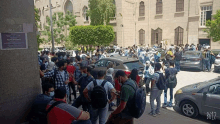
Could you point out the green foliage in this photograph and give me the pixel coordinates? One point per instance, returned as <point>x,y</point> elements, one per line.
<point>60,23</point>
<point>37,20</point>
<point>214,27</point>
<point>100,11</point>
<point>95,35</point>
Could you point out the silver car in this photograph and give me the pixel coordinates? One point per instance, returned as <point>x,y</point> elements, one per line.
<point>202,98</point>
<point>191,59</point>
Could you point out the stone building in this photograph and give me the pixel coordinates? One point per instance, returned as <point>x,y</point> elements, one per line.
<point>148,21</point>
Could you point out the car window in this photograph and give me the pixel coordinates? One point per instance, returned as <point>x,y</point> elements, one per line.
<point>100,63</point>
<point>132,65</point>
<point>117,50</point>
<point>214,89</point>
<point>115,63</point>
<point>191,54</point>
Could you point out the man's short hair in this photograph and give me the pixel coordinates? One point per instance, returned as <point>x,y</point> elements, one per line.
<point>89,69</point>
<point>60,92</point>
<point>61,63</point>
<point>46,87</point>
<point>101,73</point>
<point>158,66</point>
<point>171,63</point>
<point>54,59</point>
<point>78,58</point>
<point>120,73</point>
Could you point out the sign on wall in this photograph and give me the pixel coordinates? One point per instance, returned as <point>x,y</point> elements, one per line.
<point>13,41</point>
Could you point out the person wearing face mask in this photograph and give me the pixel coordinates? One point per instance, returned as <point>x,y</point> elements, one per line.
<point>82,82</point>
<point>38,108</point>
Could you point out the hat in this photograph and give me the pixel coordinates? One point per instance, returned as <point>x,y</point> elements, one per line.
<point>109,72</point>
<point>50,66</point>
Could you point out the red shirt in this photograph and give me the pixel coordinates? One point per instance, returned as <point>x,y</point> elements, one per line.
<point>63,113</point>
<point>70,69</point>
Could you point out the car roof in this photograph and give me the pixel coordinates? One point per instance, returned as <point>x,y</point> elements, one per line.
<point>122,59</point>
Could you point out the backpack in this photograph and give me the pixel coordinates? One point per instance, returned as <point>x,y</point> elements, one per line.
<point>99,96</point>
<point>172,80</point>
<point>85,80</point>
<point>161,83</point>
<point>137,108</point>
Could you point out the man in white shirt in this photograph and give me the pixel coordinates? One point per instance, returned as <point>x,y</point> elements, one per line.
<point>100,112</point>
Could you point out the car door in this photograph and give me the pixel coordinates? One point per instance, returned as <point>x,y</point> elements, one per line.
<point>211,101</point>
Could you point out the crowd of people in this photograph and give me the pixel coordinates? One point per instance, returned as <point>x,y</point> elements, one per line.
<point>63,76</point>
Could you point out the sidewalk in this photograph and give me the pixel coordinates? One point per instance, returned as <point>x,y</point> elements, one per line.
<point>166,117</point>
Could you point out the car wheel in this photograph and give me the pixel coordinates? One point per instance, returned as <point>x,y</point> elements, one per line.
<point>189,109</point>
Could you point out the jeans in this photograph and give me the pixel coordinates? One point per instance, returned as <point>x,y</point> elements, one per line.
<point>73,88</point>
<point>177,65</point>
<point>155,94</point>
<point>82,122</point>
<point>101,113</point>
<point>171,96</point>
<point>206,64</point>
<point>81,100</point>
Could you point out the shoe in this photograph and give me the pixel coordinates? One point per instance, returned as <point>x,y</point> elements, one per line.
<point>158,113</point>
<point>152,114</point>
<point>164,106</point>
<point>170,105</point>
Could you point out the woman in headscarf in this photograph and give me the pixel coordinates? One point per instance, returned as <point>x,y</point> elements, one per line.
<point>134,76</point>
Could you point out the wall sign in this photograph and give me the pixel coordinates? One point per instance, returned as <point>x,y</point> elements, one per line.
<point>13,41</point>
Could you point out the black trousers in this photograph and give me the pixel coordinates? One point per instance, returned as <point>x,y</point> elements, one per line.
<point>71,85</point>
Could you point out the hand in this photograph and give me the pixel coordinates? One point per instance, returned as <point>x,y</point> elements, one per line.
<point>79,86</point>
<point>66,82</point>
<point>109,101</point>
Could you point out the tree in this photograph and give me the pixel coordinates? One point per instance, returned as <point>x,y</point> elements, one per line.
<point>95,35</point>
<point>61,24</point>
<point>100,11</point>
<point>214,27</point>
<point>37,20</point>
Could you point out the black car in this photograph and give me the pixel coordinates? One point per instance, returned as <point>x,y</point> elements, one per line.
<point>120,63</point>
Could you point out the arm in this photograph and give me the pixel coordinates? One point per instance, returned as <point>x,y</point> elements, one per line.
<point>86,95</point>
<point>41,74</point>
<point>113,91</point>
<point>84,116</point>
<point>152,83</point>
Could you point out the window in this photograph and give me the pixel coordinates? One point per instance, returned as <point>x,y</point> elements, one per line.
<point>156,36</point>
<point>85,16</point>
<point>214,89</point>
<point>178,36</point>
<point>206,13</point>
<point>100,63</point>
<point>159,7</point>
<point>68,7</point>
<point>132,65</point>
<point>179,5</point>
<point>141,9</point>
<point>141,36</point>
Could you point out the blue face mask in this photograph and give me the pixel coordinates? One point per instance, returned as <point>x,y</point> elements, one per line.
<point>51,94</point>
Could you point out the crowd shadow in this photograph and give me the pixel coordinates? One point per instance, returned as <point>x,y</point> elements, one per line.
<point>190,70</point>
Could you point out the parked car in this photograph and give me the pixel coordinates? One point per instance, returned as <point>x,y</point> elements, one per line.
<point>120,63</point>
<point>191,59</point>
<point>217,63</point>
<point>113,52</point>
<point>202,98</point>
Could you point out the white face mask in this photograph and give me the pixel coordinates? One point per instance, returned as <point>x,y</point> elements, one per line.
<point>51,94</point>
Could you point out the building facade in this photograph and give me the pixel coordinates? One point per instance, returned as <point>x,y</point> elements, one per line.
<point>149,22</point>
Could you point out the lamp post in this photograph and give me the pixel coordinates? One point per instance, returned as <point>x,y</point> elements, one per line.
<point>51,25</point>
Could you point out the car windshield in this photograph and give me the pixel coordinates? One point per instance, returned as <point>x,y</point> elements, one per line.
<point>132,65</point>
<point>110,51</point>
<point>191,54</point>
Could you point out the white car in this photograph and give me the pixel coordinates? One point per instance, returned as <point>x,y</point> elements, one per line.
<point>113,52</point>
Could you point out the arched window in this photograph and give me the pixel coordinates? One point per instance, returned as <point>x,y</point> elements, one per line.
<point>141,36</point>
<point>141,9</point>
<point>159,7</point>
<point>178,36</point>
<point>68,7</point>
<point>179,5</point>
<point>156,36</point>
<point>85,16</point>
